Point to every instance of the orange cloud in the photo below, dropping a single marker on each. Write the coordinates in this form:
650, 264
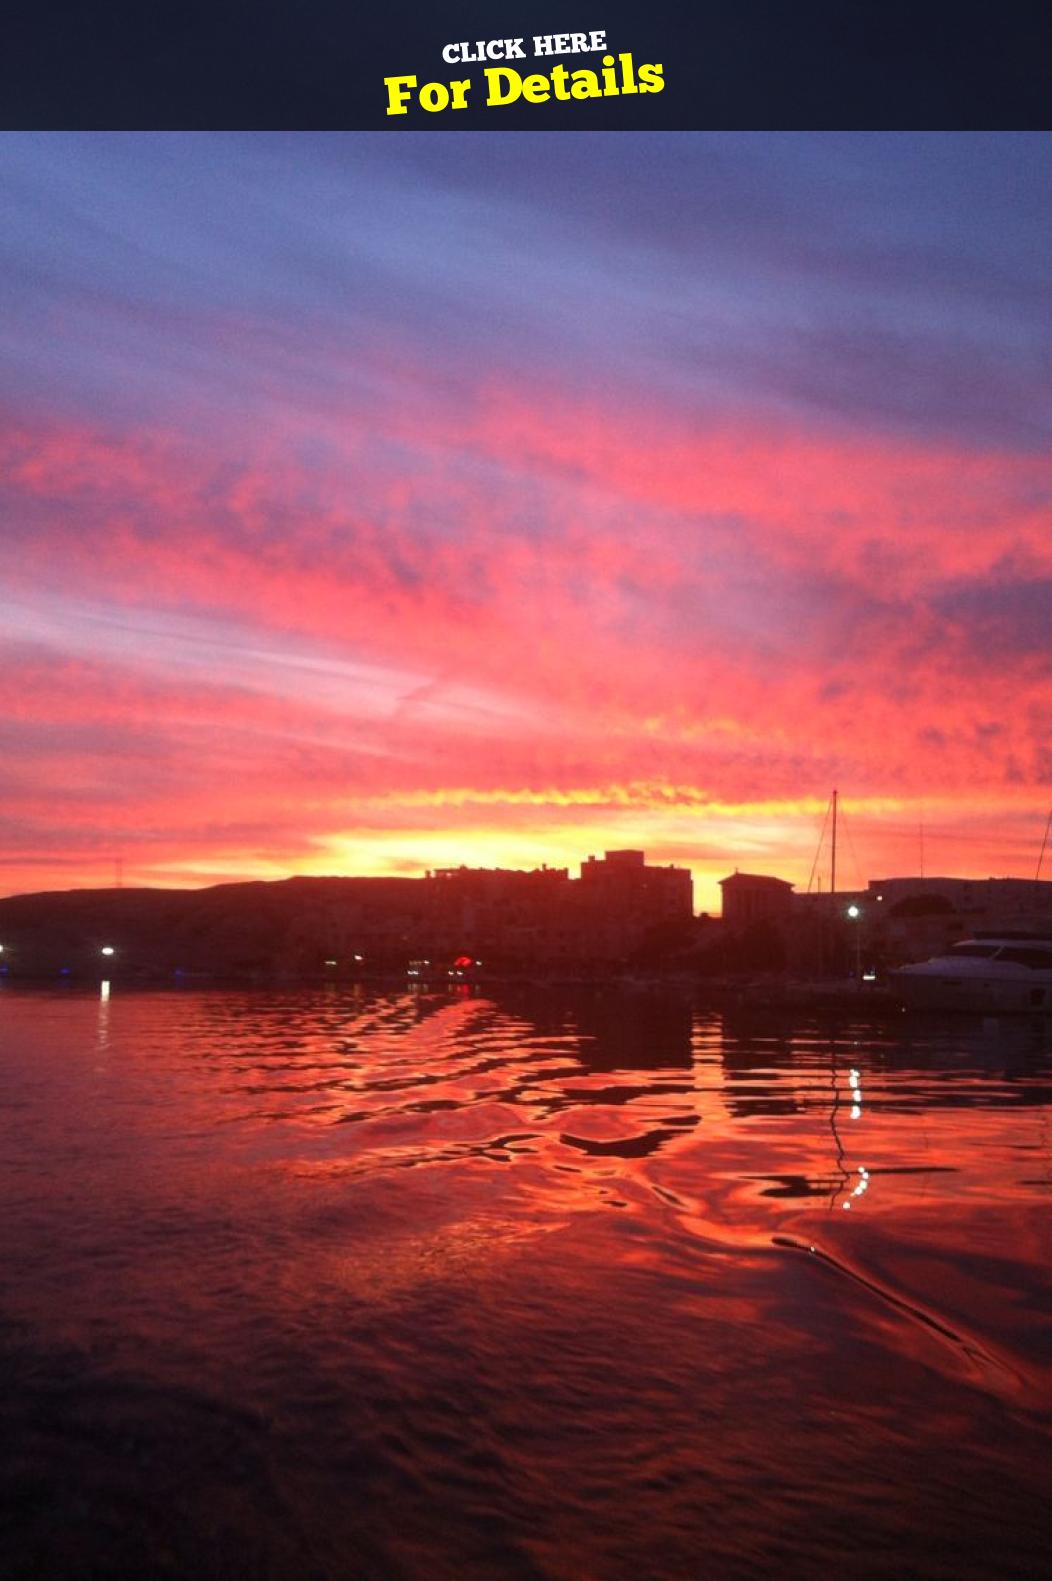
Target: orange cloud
522, 621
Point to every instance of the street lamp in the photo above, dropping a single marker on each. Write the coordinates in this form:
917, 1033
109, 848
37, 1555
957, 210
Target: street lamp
855, 913
107, 949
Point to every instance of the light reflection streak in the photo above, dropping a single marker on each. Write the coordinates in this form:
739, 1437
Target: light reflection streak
102, 1034
855, 1084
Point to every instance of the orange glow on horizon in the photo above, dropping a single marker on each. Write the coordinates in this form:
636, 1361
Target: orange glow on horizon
903, 838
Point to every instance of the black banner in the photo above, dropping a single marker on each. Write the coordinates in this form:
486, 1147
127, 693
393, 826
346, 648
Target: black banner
326, 64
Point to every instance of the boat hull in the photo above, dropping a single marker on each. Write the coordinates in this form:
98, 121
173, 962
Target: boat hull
986, 995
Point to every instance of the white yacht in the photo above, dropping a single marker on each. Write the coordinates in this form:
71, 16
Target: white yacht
991, 973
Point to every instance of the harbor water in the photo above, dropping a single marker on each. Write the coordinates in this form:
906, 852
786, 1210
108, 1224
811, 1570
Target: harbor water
581, 1285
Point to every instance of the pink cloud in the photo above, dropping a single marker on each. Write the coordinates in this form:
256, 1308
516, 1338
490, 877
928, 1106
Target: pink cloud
534, 603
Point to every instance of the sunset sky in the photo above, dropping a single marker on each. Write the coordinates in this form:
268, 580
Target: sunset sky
376, 502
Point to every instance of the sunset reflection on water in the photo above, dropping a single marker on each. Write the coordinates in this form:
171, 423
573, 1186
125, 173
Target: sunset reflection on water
539, 1283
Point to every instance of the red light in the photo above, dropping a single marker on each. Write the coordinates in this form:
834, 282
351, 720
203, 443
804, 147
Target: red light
462, 962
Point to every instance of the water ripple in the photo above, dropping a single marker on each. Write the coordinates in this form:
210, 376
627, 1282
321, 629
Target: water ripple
546, 1284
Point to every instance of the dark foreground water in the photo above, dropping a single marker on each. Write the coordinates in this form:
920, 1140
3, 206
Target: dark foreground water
336, 1283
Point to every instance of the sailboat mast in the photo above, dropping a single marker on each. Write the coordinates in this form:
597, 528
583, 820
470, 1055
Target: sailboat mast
832, 870
1041, 854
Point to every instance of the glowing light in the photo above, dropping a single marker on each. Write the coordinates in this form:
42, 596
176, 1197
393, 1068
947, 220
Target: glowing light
107, 949
854, 913
104, 989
